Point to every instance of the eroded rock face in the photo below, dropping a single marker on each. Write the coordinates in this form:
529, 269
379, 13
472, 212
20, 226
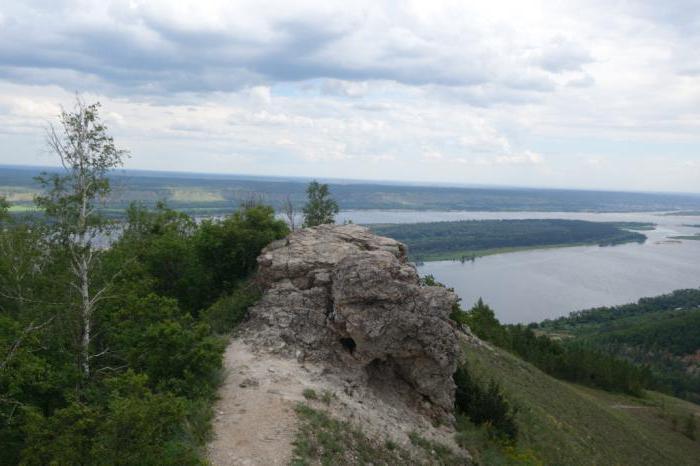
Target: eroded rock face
344, 296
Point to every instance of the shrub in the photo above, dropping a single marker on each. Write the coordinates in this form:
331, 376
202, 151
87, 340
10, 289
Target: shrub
690, 428
229, 310
484, 405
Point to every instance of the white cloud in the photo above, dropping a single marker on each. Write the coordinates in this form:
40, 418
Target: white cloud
502, 91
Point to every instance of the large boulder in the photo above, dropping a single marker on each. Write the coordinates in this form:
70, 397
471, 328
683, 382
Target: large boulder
341, 295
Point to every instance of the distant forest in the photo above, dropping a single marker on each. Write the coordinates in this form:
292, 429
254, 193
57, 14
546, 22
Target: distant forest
471, 238
662, 332
199, 194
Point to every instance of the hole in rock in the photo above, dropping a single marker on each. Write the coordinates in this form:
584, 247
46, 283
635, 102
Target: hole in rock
348, 344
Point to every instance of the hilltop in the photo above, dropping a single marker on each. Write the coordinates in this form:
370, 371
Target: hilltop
347, 359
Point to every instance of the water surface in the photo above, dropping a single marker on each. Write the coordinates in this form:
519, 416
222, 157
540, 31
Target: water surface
534, 285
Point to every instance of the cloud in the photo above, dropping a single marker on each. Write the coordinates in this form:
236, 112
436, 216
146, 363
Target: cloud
484, 92
160, 47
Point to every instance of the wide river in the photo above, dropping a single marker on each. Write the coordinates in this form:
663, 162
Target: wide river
534, 285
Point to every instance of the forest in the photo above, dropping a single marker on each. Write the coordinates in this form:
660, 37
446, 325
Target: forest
573, 362
113, 355
661, 332
171, 288
464, 240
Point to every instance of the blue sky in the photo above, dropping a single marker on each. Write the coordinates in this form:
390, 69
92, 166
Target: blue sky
594, 94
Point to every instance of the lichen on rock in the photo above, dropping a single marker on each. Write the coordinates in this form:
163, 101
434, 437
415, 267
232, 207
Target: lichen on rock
340, 295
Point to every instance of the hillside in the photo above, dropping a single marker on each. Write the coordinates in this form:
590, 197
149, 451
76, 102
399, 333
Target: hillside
472, 238
564, 423
662, 332
348, 359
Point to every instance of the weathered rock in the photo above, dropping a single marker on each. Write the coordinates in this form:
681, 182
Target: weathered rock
349, 298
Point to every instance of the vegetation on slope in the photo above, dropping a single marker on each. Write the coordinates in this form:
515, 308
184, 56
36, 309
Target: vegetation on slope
108, 355
172, 285
578, 363
662, 332
472, 238
564, 423
322, 439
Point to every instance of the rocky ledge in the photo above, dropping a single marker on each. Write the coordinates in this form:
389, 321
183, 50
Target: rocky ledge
342, 296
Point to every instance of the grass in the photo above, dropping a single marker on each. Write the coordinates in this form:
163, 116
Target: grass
327, 441
439, 453
563, 423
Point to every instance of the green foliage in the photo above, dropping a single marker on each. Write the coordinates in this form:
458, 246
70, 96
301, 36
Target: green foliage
564, 423
87, 153
659, 332
437, 452
310, 394
320, 208
470, 238
228, 248
484, 404
229, 310
197, 263
575, 362
486, 449
320, 439
4, 209
133, 427
690, 427
155, 351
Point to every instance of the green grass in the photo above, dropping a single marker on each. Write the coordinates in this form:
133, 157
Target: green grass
564, 423
327, 441
437, 452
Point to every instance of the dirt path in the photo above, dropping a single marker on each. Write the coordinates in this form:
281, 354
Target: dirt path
254, 420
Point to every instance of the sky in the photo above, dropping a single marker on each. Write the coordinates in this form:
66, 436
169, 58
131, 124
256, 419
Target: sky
566, 94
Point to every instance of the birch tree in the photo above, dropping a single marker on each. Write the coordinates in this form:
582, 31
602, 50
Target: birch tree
290, 213
72, 198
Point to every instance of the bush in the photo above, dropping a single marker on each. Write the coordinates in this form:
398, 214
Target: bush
229, 310
145, 429
484, 405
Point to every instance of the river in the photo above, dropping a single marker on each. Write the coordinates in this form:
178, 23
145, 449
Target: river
533, 285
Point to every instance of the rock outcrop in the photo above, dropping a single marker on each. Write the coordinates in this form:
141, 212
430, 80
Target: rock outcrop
345, 297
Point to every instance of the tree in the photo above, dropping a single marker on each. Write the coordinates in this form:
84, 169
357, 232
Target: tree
290, 213
320, 208
87, 153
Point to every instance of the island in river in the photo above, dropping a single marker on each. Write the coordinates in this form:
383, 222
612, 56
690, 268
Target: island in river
468, 239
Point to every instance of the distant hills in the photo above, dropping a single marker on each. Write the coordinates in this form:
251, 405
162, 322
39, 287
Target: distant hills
214, 194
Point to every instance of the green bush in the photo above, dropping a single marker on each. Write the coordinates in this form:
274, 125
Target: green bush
484, 405
229, 310
143, 430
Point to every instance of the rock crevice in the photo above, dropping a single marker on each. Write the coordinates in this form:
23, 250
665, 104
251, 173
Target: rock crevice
349, 299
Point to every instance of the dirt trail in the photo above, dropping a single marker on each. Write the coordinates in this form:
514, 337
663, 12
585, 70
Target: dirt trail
255, 422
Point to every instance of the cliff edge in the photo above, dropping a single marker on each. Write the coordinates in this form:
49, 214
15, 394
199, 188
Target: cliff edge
342, 296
